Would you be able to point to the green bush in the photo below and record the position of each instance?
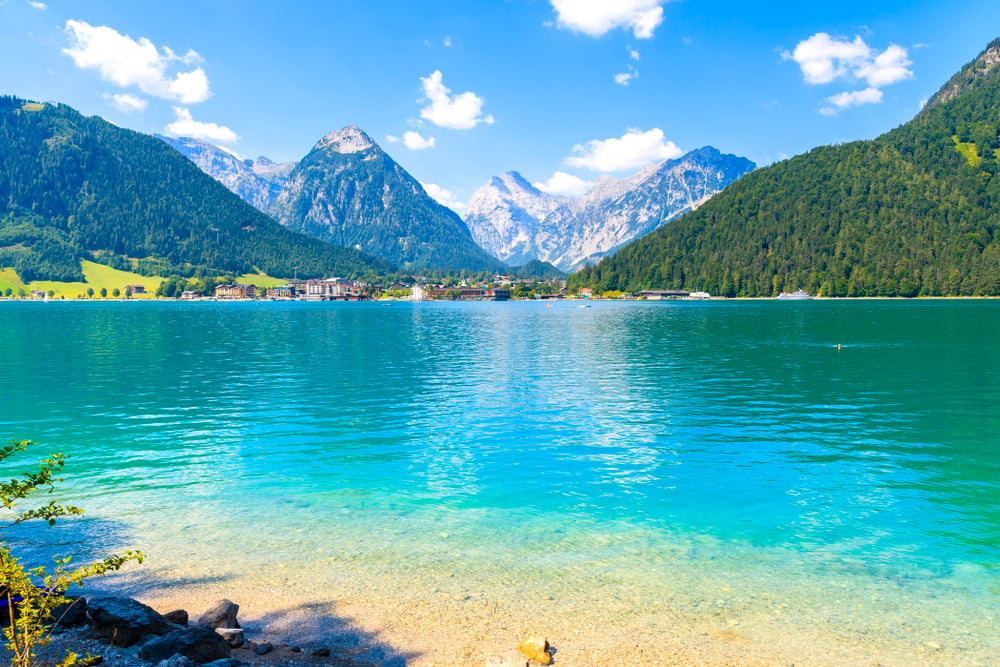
(33, 595)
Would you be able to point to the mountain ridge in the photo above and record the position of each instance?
(257, 181)
(75, 187)
(517, 222)
(350, 192)
(347, 191)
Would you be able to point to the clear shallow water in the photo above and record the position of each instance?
(616, 457)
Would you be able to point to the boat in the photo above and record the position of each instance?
(797, 295)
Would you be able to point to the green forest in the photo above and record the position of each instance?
(73, 188)
(914, 212)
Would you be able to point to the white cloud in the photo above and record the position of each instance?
(38, 5)
(127, 102)
(185, 126)
(565, 184)
(445, 197)
(824, 59)
(854, 98)
(597, 17)
(392, 139)
(632, 53)
(126, 62)
(416, 142)
(889, 67)
(447, 42)
(633, 150)
(458, 112)
(624, 78)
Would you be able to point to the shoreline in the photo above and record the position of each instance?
(451, 621)
(714, 299)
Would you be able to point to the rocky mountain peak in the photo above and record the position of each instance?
(350, 139)
(516, 222)
(969, 77)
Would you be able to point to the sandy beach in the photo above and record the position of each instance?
(367, 626)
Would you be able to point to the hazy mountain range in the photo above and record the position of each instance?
(348, 191)
(517, 222)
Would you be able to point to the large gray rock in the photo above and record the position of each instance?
(222, 614)
(177, 617)
(233, 636)
(199, 643)
(123, 620)
(72, 614)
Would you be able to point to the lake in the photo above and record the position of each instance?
(718, 474)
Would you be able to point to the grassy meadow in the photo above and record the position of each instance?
(99, 276)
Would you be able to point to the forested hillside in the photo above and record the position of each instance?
(913, 212)
(73, 187)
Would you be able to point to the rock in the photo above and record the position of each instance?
(321, 652)
(222, 614)
(536, 649)
(124, 620)
(233, 636)
(199, 643)
(72, 614)
(263, 649)
(177, 660)
(177, 617)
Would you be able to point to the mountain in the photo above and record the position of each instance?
(505, 218)
(913, 212)
(515, 221)
(349, 192)
(536, 268)
(257, 182)
(73, 187)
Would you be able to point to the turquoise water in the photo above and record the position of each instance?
(612, 452)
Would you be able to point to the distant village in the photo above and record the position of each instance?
(338, 289)
(499, 288)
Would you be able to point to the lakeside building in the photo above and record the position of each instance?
(480, 294)
(334, 289)
(662, 294)
(227, 292)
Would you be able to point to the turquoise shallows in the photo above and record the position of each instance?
(607, 453)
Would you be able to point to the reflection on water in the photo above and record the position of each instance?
(626, 444)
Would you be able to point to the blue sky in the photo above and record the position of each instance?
(562, 91)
